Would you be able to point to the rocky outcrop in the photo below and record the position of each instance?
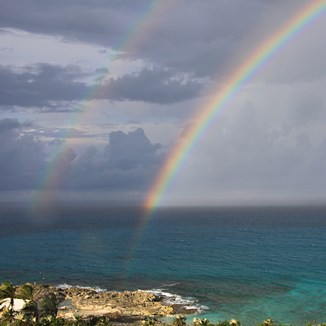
(41, 290)
(116, 305)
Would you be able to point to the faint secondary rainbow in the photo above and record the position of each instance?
(54, 173)
(206, 115)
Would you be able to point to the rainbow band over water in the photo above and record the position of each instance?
(206, 115)
(151, 16)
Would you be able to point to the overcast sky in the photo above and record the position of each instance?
(93, 95)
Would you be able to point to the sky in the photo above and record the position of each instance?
(94, 95)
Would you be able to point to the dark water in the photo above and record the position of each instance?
(244, 263)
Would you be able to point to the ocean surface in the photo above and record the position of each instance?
(243, 263)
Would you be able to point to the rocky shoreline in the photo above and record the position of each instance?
(115, 305)
(127, 307)
(46, 305)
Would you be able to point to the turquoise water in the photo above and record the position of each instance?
(244, 263)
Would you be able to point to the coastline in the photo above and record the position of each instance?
(120, 307)
(239, 264)
(78, 305)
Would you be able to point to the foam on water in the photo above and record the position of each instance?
(244, 263)
(188, 303)
(68, 286)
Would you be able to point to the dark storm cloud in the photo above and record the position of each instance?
(196, 37)
(102, 22)
(128, 162)
(22, 158)
(199, 38)
(9, 125)
(185, 47)
(52, 87)
(40, 85)
(151, 85)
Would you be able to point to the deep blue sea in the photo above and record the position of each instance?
(243, 263)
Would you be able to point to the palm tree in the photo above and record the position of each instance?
(7, 291)
(149, 321)
(202, 322)
(26, 292)
(180, 321)
(48, 305)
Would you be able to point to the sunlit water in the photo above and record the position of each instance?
(248, 264)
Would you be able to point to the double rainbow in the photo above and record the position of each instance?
(231, 87)
(138, 34)
(205, 117)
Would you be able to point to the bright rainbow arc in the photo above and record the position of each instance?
(138, 34)
(259, 57)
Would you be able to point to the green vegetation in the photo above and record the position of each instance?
(95, 321)
(43, 312)
(202, 322)
(149, 321)
(7, 291)
(180, 321)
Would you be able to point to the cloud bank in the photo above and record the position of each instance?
(128, 162)
(93, 95)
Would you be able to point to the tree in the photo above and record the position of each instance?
(180, 321)
(202, 322)
(26, 292)
(7, 291)
(48, 306)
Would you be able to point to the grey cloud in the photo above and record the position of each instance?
(195, 37)
(199, 38)
(5, 48)
(63, 133)
(190, 43)
(151, 85)
(56, 142)
(307, 110)
(127, 151)
(58, 169)
(100, 22)
(128, 162)
(245, 156)
(56, 88)
(22, 158)
(41, 85)
(9, 125)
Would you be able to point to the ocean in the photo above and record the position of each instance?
(244, 263)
